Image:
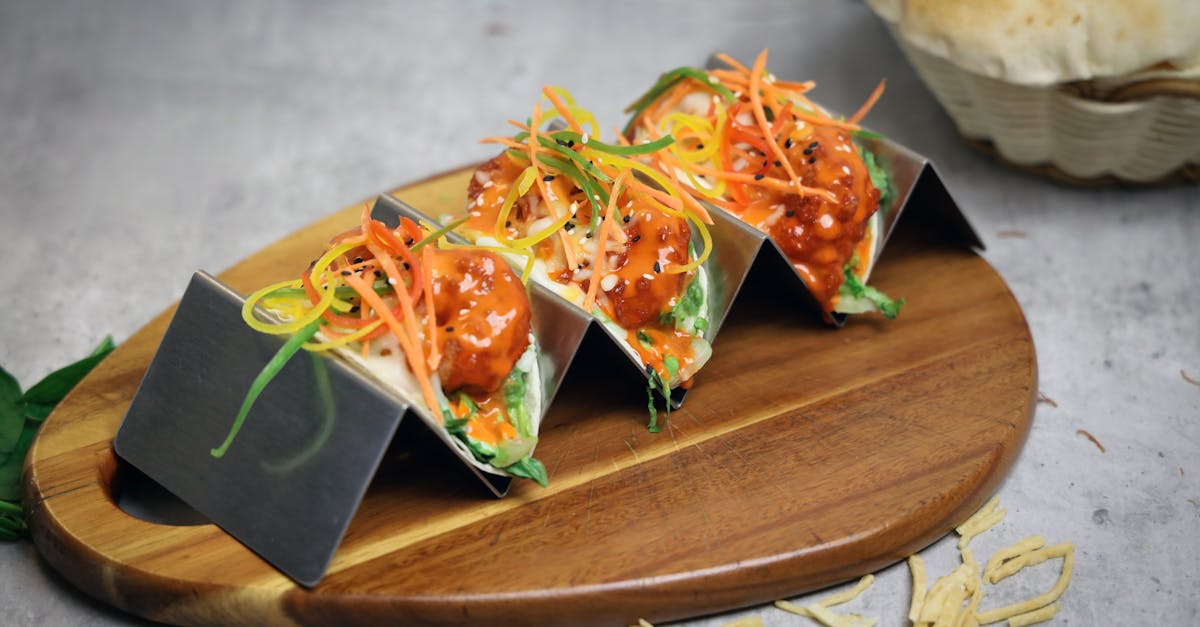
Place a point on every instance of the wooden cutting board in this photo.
(804, 456)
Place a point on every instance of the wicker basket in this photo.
(1142, 129)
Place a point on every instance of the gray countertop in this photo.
(143, 140)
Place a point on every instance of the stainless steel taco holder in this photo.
(290, 483)
(314, 440)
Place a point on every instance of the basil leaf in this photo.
(52, 389)
(645, 339)
(10, 470)
(36, 412)
(10, 390)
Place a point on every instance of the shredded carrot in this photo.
(866, 106)
(731, 62)
(412, 352)
(760, 65)
(435, 356)
(599, 265)
(561, 108)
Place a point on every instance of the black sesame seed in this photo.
(408, 241)
(346, 273)
(758, 177)
(699, 146)
(778, 164)
(548, 178)
(378, 274)
(790, 213)
(561, 142)
(355, 309)
(449, 329)
(814, 144)
(507, 223)
(626, 219)
(808, 151)
(570, 143)
(657, 267)
(812, 159)
(406, 266)
(788, 143)
(589, 235)
(358, 260)
(569, 226)
(637, 238)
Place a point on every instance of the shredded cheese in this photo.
(820, 610)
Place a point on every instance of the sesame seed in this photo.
(790, 213)
(626, 219)
(346, 273)
(561, 142)
(636, 238)
(648, 277)
(814, 144)
(449, 329)
(758, 177)
(378, 274)
(391, 281)
(808, 151)
(358, 260)
(355, 309)
(570, 143)
(778, 163)
(788, 143)
(657, 267)
(548, 178)
(812, 159)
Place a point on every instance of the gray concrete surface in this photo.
(142, 140)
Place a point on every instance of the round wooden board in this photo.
(804, 456)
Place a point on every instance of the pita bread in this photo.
(1041, 42)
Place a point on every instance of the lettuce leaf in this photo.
(855, 297)
(879, 178)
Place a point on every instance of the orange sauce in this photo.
(490, 424)
(641, 289)
(818, 236)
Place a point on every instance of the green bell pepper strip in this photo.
(289, 348)
(669, 80)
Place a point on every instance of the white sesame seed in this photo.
(391, 281)
(648, 277)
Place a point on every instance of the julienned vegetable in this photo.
(447, 324)
(605, 230)
(760, 149)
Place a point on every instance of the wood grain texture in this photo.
(804, 456)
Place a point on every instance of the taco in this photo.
(447, 328)
(759, 149)
(605, 231)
